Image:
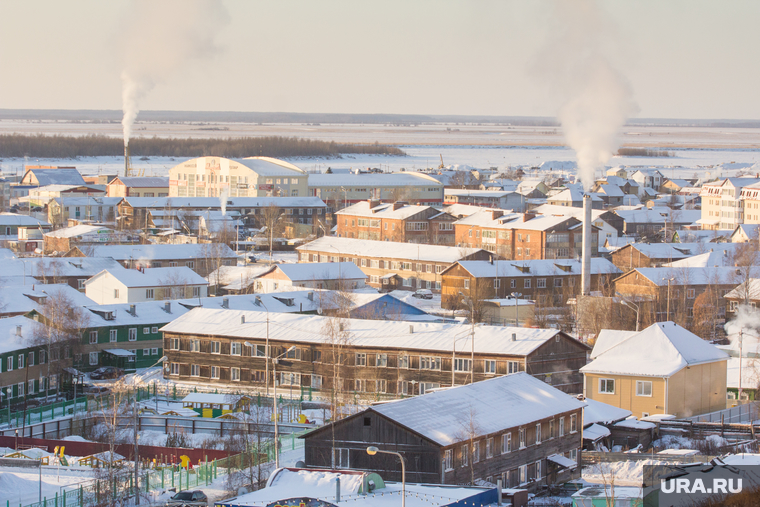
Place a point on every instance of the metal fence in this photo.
(43, 413)
(740, 414)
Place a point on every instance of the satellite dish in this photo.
(319, 311)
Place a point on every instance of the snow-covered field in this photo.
(22, 485)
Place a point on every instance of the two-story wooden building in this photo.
(513, 427)
(376, 359)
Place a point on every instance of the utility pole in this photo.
(741, 336)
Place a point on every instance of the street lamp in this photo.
(276, 415)
(137, 447)
(633, 306)
(372, 450)
(515, 296)
(266, 352)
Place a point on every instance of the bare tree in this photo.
(469, 430)
(273, 219)
(174, 286)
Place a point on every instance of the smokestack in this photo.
(586, 259)
(126, 159)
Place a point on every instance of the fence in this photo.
(593, 457)
(43, 413)
(746, 413)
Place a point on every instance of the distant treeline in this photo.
(643, 152)
(42, 146)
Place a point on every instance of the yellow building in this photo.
(140, 186)
(663, 369)
(246, 177)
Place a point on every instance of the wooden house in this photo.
(513, 427)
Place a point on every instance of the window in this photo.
(381, 386)
(195, 370)
(146, 352)
(216, 347)
(551, 429)
(522, 438)
(360, 385)
(154, 351)
(538, 470)
(174, 369)
(215, 372)
(643, 388)
(190, 264)
(606, 386)
(489, 366)
(93, 358)
(294, 354)
(20, 362)
(146, 330)
(465, 455)
(574, 454)
(467, 284)
(489, 447)
(148, 293)
(21, 389)
(381, 361)
(42, 356)
(133, 334)
(93, 337)
(538, 433)
(506, 443)
(31, 359)
(573, 423)
(112, 334)
(403, 387)
(340, 458)
(154, 329)
(461, 364)
(403, 361)
(561, 426)
(195, 345)
(430, 363)
(427, 386)
(476, 452)
(197, 291)
(526, 283)
(558, 282)
(522, 474)
(173, 343)
(513, 366)
(236, 349)
(116, 293)
(80, 283)
(448, 461)
(361, 359)
(512, 283)
(316, 381)
(541, 283)
(10, 364)
(235, 374)
(690, 293)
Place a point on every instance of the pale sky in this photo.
(682, 59)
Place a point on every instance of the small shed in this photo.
(631, 433)
(214, 405)
(119, 358)
(35, 453)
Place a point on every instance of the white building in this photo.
(135, 286)
(316, 275)
(247, 177)
(340, 190)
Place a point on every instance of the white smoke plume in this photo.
(596, 98)
(161, 38)
(223, 201)
(747, 321)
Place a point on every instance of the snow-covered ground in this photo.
(21, 486)
(622, 473)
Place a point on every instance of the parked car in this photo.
(105, 372)
(251, 258)
(92, 390)
(188, 498)
(423, 294)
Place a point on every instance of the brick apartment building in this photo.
(397, 221)
(524, 236)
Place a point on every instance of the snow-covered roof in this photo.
(237, 276)
(156, 277)
(598, 412)
(636, 424)
(144, 181)
(607, 339)
(22, 299)
(384, 210)
(573, 194)
(483, 194)
(464, 210)
(388, 249)
(16, 220)
(661, 350)
(14, 338)
(611, 190)
(211, 398)
(706, 260)
(537, 267)
(373, 180)
(510, 302)
(568, 211)
(676, 251)
(42, 267)
(232, 202)
(310, 271)
(119, 352)
(77, 230)
(187, 251)
(301, 328)
(595, 432)
(88, 201)
(442, 416)
(751, 287)
(60, 176)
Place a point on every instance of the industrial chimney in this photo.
(586, 258)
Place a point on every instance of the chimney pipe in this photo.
(242, 319)
(337, 489)
(411, 329)
(168, 307)
(514, 337)
(132, 310)
(18, 330)
(225, 302)
(586, 258)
